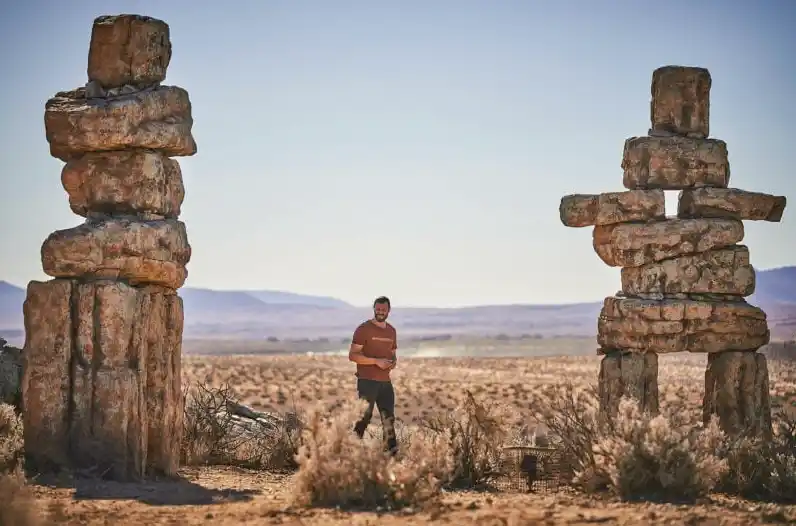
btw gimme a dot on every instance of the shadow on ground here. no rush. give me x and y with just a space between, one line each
176 491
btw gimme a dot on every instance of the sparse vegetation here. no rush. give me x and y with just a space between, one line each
670 457
338 469
764 470
454 416
16 504
11 443
475 432
214 434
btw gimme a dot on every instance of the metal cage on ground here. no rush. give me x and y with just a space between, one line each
527 469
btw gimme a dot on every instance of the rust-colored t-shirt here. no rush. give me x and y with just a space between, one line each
376 342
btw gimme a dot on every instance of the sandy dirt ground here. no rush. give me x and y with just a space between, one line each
227 496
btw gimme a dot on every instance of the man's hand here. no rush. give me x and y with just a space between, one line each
385 364
393 364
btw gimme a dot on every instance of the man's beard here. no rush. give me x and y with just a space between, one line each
380 317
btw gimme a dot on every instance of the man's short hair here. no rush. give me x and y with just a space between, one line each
382 300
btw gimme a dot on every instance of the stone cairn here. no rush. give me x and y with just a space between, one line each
684 279
101 375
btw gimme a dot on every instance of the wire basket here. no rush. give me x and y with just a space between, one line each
528 469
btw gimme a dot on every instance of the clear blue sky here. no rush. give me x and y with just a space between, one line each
409 148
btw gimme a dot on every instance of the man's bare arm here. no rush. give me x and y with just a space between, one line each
355 355
394 353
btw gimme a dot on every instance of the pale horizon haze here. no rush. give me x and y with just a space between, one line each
413 149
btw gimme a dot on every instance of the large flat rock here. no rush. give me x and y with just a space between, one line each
157 118
139 182
721 271
128 50
737 392
637 244
674 163
675 325
730 203
140 252
579 210
681 101
121 346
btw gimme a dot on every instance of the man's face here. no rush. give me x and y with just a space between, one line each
381 311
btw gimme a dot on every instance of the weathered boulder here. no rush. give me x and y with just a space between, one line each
674 163
737 392
156 118
45 374
128 49
636 244
121 347
681 101
720 271
675 325
141 252
137 182
628 374
730 203
10 375
579 210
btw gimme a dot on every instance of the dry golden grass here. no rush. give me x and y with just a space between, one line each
431 386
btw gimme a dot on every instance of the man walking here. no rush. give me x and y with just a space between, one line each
373 349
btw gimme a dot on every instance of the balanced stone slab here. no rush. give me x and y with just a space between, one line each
579 210
673 325
122 344
730 203
720 271
681 101
140 252
628 374
737 392
637 244
138 182
675 163
157 119
128 49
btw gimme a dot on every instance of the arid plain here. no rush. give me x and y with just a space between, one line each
424 387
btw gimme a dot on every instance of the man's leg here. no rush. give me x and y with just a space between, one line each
386 404
366 390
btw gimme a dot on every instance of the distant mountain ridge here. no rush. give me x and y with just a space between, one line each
256 314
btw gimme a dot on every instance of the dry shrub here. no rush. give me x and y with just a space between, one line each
336 468
571 416
17 506
475 432
764 470
635 455
658 458
213 435
11 443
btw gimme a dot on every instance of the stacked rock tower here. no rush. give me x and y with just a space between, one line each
101 382
684 279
